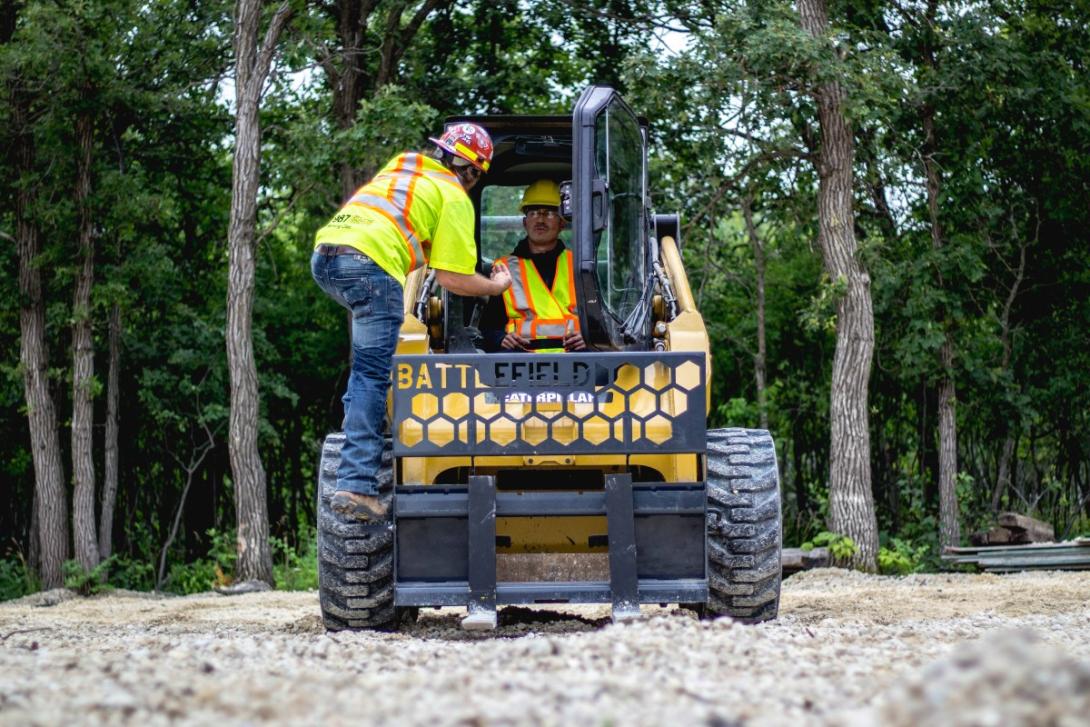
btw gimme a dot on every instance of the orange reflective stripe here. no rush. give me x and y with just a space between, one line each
391 187
395 202
388 210
406 184
571 285
509 302
446 177
533 309
409 196
518 284
526 285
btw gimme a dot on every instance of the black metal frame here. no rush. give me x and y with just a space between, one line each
432 570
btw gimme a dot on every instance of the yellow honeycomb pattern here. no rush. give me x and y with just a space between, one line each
643 405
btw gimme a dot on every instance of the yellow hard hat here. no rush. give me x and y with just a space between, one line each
543 193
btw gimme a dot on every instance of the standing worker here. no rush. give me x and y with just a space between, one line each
414 212
538 312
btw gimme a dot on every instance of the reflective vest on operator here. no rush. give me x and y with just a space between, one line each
535 311
414 212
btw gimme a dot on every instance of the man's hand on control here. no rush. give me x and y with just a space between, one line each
514 342
573 340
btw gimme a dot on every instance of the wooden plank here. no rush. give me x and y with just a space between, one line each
1034 554
1028 546
1009 559
1012 557
1036 530
1022 569
1054 560
996 536
795 559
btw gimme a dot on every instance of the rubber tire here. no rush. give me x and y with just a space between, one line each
744 525
355 560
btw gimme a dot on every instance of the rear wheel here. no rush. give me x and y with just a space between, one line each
355 560
744 525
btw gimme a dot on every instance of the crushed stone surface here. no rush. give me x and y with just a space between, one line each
847 649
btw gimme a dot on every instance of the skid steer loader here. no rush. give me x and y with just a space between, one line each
586 477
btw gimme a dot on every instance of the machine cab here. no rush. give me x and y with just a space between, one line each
598 156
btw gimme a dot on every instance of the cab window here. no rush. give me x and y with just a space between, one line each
501 221
620 246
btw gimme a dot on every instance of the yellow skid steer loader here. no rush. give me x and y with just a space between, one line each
583 477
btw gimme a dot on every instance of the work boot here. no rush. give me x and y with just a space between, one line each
354 506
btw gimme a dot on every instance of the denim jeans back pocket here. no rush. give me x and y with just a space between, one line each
359 294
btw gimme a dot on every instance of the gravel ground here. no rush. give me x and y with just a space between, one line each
848 649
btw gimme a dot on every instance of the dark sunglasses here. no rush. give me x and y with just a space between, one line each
465 168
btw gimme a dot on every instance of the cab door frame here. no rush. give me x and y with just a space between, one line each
592 216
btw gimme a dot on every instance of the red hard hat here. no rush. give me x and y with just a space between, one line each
468 141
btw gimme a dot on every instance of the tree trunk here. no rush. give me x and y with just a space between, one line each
949 521
83 364
949 526
34 541
350 79
50 497
851 502
346 82
109 480
196 458
251 506
760 360
1003 479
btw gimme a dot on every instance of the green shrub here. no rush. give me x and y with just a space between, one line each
296 568
82 580
131 574
215 569
841 547
16 580
901 557
196 577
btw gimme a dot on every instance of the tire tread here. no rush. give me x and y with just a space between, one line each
744 525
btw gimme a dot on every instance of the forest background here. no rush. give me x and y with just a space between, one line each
969 141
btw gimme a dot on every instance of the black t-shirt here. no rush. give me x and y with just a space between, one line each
494 318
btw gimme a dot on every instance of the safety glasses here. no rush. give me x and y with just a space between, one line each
464 169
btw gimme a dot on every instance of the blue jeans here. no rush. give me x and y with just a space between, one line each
375 299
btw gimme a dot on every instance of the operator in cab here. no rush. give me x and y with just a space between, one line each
538 313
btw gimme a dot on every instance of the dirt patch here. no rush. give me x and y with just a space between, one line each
847 649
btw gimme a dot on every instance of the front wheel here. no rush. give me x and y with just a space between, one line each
744 525
355 560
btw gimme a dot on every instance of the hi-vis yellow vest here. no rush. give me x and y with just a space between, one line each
533 310
414 212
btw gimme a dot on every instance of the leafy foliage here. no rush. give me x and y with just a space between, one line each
841 547
901 557
723 85
16 579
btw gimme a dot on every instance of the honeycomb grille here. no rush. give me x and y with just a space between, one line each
512 404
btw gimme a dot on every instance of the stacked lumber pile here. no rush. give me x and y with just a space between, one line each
796 559
1017 543
1014 529
1071 555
